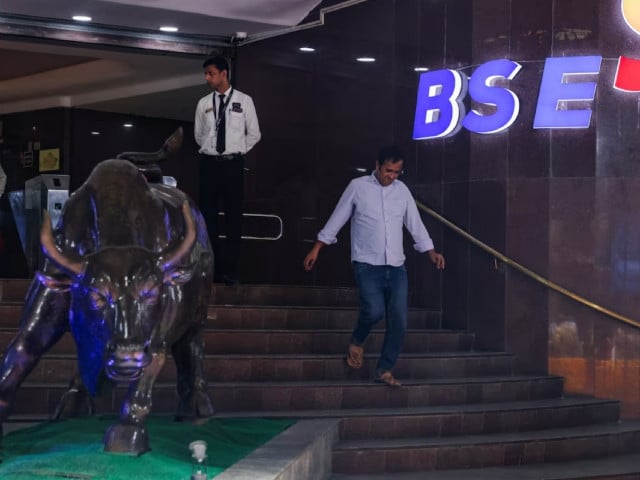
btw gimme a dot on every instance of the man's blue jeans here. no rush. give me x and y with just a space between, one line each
382 291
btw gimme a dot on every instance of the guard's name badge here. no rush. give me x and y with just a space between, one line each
235 107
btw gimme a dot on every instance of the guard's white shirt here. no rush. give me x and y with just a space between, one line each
377 215
242 128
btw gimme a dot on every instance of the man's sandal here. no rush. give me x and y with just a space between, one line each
387 378
354 356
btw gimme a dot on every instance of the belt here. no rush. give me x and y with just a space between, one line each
221 158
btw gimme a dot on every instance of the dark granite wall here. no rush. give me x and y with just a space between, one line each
324 115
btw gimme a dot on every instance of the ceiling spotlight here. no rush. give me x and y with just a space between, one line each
95 133
307 49
366 59
169 29
127 125
421 69
360 169
81 18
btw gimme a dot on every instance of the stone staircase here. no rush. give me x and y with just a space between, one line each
278 351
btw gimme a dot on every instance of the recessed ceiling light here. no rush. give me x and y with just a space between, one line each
95 133
366 59
421 69
307 49
360 169
169 29
81 18
127 125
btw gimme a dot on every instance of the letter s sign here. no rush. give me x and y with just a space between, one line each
482 89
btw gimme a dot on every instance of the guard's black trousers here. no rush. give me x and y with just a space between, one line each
222 180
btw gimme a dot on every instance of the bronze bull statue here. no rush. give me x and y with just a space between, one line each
128 270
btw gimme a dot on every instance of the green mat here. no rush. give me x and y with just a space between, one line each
72 449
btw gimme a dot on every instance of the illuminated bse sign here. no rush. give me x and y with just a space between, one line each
564 101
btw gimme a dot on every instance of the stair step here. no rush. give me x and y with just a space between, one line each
276 342
292 317
448 420
565 410
328 341
415 366
481 451
366 394
15 290
478 418
618 467
465 419
284 295
267 318
41 398
300 367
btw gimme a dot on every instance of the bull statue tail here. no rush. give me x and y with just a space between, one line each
147 162
171 146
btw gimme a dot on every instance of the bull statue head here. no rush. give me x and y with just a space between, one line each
119 297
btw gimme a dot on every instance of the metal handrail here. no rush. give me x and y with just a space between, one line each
525 270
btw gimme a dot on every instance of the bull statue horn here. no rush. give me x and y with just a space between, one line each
51 250
174 257
171 146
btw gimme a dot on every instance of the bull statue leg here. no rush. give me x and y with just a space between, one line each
130 435
44 321
193 399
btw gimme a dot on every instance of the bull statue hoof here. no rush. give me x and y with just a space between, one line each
131 439
198 407
76 402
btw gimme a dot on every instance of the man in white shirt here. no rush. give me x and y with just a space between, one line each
378 205
226 128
